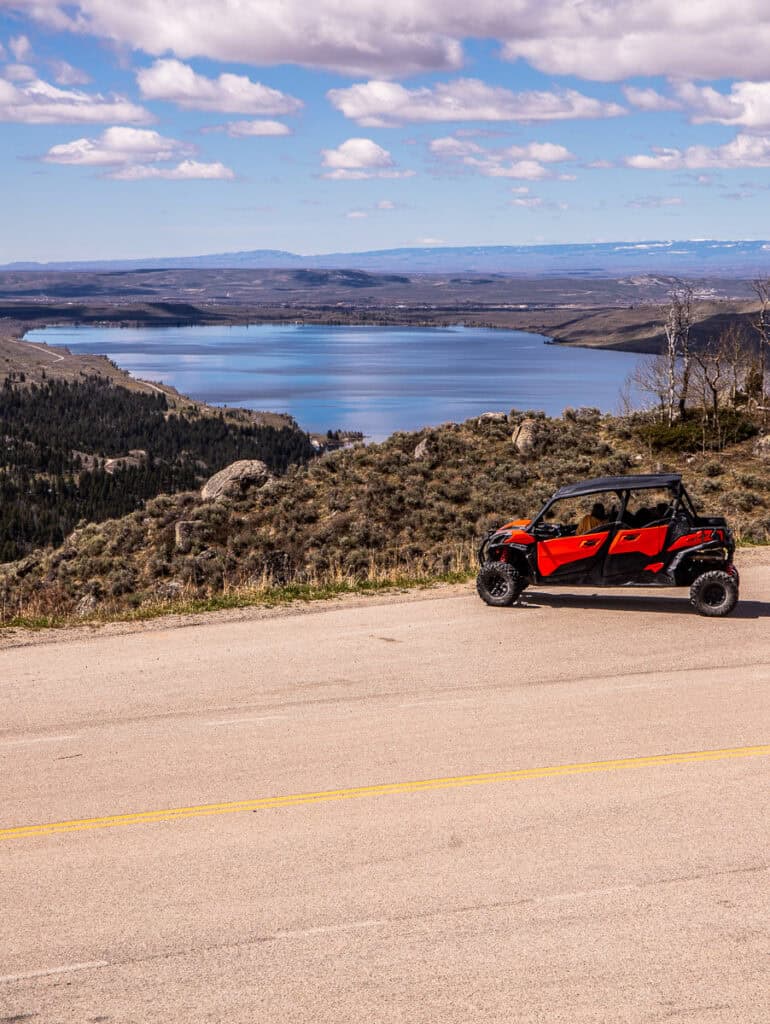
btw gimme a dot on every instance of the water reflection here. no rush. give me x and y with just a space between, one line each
375 379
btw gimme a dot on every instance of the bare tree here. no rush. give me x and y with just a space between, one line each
761 325
710 364
738 361
654 377
677 327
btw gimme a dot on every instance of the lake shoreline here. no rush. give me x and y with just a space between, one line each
354 377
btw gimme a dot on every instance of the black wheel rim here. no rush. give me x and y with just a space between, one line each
497 586
714 595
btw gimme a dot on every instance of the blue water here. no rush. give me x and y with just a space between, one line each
374 379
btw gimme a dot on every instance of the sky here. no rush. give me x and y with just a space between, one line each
162 128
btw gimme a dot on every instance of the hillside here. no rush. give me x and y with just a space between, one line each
89 450
416 503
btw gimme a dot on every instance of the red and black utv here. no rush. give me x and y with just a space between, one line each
625 531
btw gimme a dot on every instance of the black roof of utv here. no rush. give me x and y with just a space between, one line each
619 483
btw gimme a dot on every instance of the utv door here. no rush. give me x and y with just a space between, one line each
636 551
574 536
573 559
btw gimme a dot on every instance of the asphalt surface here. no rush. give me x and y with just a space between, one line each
253 879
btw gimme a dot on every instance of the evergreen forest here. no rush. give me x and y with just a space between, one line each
56 437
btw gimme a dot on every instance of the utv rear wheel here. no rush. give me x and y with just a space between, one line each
714 593
499 584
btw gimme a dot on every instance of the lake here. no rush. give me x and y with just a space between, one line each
374 379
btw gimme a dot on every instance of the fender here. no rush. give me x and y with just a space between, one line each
713 545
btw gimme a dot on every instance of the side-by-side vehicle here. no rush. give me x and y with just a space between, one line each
626 531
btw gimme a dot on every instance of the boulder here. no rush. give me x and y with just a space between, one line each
523 437
184 531
492 417
234 479
421 451
86 606
762 447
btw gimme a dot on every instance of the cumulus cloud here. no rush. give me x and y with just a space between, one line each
117 145
19 72
356 215
524 162
187 170
131 154
39 102
380 104
66 74
649 99
246 129
178 83
742 151
746 105
21 48
718 39
355 159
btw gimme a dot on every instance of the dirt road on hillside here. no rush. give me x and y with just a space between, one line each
392 810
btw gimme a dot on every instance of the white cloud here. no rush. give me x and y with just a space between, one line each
528 202
714 39
655 202
19 72
356 159
524 162
356 215
116 146
742 151
21 48
597 40
132 154
66 74
178 83
246 129
386 204
649 99
379 104
187 170
40 102
747 104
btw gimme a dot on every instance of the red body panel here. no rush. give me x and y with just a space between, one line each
691 539
553 554
520 537
645 541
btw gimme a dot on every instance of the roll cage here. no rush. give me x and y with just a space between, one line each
681 500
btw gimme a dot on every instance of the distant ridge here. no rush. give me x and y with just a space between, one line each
703 257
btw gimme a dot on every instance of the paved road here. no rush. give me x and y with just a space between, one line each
259 845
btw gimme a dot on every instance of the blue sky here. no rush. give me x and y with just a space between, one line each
157 128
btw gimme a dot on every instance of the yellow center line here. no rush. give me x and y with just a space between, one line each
385 789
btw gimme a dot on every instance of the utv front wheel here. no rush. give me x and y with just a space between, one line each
714 593
499 584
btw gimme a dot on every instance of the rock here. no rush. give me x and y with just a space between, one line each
762 447
183 534
135 457
638 458
169 589
584 414
235 479
492 417
86 606
421 451
523 437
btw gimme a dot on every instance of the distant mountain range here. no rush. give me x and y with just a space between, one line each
700 258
